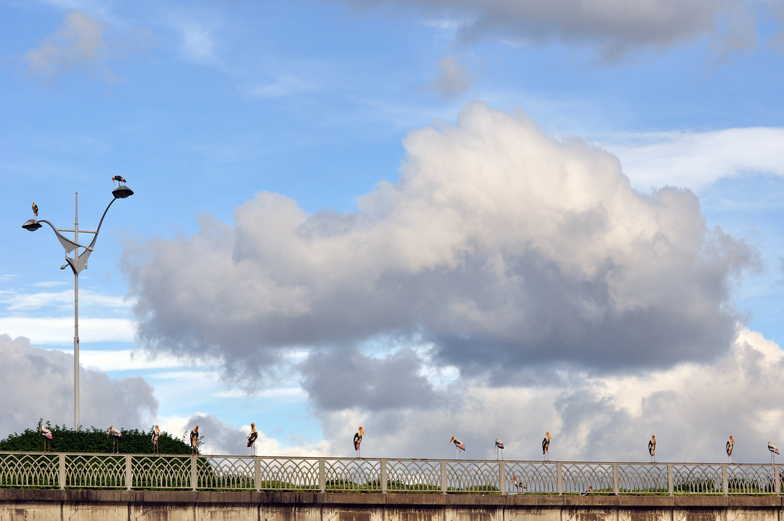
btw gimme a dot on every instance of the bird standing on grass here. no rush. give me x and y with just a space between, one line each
252 439
499 445
47 434
116 434
358 441
458 446
652 448
195 440
773 451
156 434
546 445
730 448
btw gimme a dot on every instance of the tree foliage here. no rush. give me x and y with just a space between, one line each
93 439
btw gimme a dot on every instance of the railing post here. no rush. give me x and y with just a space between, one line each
615 479
322 475
61 473
383 476
559 473
502 477
777 482
194 473
670 485
128 472
443 477
724 481
257 473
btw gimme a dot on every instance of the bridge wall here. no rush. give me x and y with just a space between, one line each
97 505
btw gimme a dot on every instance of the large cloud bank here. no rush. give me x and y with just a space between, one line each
500 247
612 27
37 383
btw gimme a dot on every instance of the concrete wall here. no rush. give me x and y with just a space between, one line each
89 505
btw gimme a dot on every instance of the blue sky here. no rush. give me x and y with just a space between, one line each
205 107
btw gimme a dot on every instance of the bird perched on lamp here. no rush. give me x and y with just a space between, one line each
358 441
118 178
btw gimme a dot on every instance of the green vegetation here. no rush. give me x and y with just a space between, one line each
92 440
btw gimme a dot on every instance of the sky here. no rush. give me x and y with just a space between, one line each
425 217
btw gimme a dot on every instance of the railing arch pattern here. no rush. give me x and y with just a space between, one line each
272 473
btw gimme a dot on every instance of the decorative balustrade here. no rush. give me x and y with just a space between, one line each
268 473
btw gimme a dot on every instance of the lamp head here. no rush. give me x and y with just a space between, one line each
31 225
121 192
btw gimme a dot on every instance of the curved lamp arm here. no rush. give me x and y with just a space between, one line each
79 263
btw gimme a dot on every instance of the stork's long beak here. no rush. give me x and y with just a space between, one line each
450 440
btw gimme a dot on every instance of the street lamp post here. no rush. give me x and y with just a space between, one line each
77 263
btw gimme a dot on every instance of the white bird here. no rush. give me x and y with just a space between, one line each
195 440
730 448
358 441
546 445
458 445
773 451
47 434
499 445
156 434
652 448
116 435
252 439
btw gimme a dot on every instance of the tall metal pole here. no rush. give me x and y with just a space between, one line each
76 319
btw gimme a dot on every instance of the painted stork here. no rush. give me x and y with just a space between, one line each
195 440
458 445
156 434
252 436
652 448
546 445
116 434
518 484
499 445
358 441
587 492
118 178
47 434
731 447
773 451
35 209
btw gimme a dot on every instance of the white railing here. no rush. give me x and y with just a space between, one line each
268 473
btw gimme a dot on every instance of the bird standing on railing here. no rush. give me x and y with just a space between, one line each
773 451
118 178
458 445
195 440
156 434
730 448
358 441
47 434
499 445
35 210
652 448
546 445
116 435
252 439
